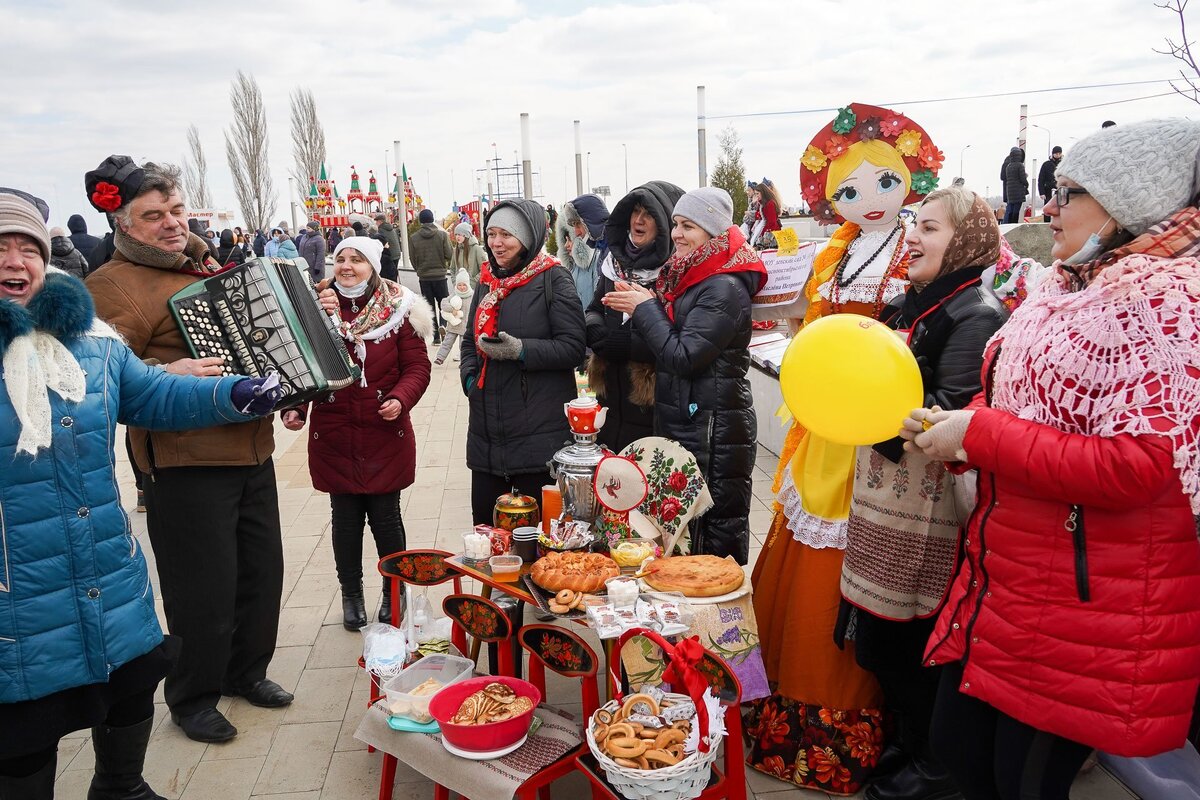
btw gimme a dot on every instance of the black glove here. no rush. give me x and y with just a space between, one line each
256 397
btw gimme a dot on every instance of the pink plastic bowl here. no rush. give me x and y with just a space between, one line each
482 738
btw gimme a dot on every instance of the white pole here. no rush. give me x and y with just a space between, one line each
1021 140
526 164
701 143
626 149
578 161
292 200
405 262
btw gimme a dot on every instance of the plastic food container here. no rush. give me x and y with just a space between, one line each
482 738
445 669
630 553
622 591
506 569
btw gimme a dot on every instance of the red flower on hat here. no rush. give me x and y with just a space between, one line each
106 196
930 157
891 126
836 147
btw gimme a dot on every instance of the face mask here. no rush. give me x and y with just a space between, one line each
1091 250
351 292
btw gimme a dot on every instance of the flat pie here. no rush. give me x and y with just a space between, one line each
578 572
695 576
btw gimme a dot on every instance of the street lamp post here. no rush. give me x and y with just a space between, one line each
962 153
589 169
1033 177
626 149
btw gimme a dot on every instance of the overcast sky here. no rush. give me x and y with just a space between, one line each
81 80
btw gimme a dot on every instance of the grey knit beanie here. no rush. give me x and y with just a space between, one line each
1140 173
18 215
463 229
709 207
513 221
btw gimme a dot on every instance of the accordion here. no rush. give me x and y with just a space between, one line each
263 317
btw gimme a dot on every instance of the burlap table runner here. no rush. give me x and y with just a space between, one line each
497 779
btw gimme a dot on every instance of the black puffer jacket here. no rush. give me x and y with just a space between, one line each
957 316
1016 180
621 367
516 419
702 399
64 256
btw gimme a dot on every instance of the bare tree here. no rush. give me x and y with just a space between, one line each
195 172
246 148
1189 83
308 140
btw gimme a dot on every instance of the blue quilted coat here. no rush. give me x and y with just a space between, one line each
75 597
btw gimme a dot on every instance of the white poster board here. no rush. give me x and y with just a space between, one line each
782 296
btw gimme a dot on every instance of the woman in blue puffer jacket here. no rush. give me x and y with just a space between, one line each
80 645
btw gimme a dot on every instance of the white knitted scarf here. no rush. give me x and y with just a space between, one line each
36 364
1120 356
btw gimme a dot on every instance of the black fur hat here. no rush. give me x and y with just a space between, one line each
114 183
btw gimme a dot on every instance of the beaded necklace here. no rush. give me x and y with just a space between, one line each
888 274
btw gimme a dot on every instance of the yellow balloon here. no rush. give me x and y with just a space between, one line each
850 379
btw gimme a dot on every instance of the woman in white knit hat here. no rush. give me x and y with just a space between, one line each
697 320
1074 621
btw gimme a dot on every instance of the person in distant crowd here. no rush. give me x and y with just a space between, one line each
84 242
312 250
212 502
1108 123
391 260
429 250
64 256
1016 185
357 228
213 242
260 243
454 311
468 253
281 245
751 212
524 339
228 253
385 326
80 644
551 214
573 250
621 367
766 216
1046 181
587 216
1073 622
696 321
335 238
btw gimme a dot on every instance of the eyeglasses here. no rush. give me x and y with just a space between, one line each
1062 194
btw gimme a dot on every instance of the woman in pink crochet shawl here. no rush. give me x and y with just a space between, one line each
1074 621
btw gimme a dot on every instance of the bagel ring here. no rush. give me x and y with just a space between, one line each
677 750
600 732
627 762
642 763
604 717
564 597
621 729
668 737
624 747
633 700
558 608
661 756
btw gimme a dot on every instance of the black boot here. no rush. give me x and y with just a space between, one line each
120 754
38 786
385 604
354 608
918 780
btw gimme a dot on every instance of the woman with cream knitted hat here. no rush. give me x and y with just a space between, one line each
1074 621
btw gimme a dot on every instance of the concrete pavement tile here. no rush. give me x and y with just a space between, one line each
336 646
299 758
298 549
290 796
426 505
321 696
309 524
256 731
171 758
299 626
67 750
287 665
316 505
224 780
73 783
313 589
354 775
354 715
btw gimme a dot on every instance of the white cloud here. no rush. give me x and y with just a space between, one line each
81 80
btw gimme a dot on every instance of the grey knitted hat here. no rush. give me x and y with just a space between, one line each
1140 173
709 207
463 229
18 215
513 221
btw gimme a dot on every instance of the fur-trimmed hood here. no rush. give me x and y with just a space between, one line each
420 316
63 308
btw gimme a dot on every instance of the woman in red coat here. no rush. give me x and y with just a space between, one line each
360 446
1074 621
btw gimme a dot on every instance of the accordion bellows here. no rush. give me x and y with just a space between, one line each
263 317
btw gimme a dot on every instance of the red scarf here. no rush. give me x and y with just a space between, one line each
487 316
719 255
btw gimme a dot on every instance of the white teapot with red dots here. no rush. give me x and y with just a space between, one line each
585 415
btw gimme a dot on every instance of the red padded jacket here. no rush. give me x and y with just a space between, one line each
1077 607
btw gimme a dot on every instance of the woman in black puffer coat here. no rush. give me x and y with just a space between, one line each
700 332
621 369
524 337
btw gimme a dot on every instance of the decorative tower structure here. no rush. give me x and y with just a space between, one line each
354 197
374 203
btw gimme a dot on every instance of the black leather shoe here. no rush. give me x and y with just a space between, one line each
891 760
385 604
354 610
918 780
208 725
264 694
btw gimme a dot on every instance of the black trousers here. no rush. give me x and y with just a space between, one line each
130 711
388 268
138 477
350 511
217 542
434 291
992 756
486 487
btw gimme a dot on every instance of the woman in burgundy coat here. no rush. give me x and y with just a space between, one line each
360 446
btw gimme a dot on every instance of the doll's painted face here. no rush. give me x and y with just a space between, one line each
870 197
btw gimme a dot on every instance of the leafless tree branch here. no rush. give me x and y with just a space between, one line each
195 172
246 149
308 140
1189 79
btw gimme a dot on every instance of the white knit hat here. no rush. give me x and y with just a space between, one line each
372 249
709 207
1140 173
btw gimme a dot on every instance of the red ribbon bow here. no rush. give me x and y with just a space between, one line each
682 671
106 196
